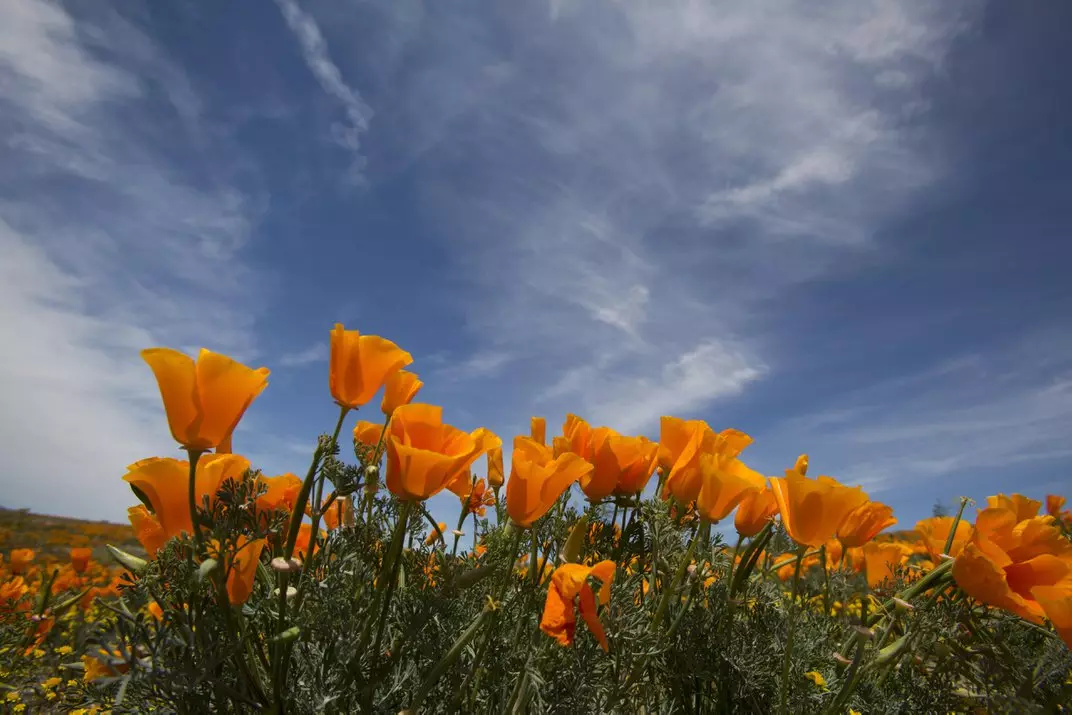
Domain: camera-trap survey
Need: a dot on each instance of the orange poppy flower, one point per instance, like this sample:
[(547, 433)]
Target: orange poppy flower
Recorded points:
[(865, 522), (424, 455), (434, 536), (279, 492), (801, 464), (12, 590), (478, 499), (725, 482), (496, 472), (147, 529), (881, 560), (368, 433), (20, 559), (812, 510), (1054, 504), (339, 513), (681, 445), (538, 429), (400, 389), (305, 534), (1018, 504), (1005, 561), (80, 559), (1056, 602), (754, 511), (155, 611), (204, 400), (834, 551), (538, 479), (569, 583), (360, 365), (243, 570), (165, 482), (935, 532), (620, 465)]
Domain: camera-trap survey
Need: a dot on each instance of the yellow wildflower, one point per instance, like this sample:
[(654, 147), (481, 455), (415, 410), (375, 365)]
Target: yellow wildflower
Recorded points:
[(12, 697), (65, 650), (816, 677), (51, 682)]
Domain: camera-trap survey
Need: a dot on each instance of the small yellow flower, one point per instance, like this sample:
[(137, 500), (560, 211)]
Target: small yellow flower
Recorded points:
[(816, 677), (51, 682), (72, 683), (38, 653), (854, 712), (65, 650), (12, 697), (20, 708), (49, 695)]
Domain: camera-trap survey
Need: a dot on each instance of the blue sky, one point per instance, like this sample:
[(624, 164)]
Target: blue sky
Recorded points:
[(842, 228)]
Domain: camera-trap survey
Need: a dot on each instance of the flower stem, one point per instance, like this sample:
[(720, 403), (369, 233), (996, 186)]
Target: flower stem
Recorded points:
[(195, 456), (789, 636), (956, 522)]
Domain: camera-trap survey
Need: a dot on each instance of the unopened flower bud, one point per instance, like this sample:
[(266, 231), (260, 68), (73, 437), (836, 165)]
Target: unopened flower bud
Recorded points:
[(902, 604), (458, 532), (286, 565), (842, 659), (865, 632), (291, 592)]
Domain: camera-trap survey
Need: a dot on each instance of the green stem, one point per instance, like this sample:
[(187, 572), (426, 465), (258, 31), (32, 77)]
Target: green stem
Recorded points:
[(306, 487), (392, 574), (956, 522), (664, 601), (195, 456), (789, 636), (448, 659), (826, 580)]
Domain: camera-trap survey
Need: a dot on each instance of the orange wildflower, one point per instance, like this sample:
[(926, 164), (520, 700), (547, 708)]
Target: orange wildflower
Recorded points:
[(147, 529), (279, 492), (801, 464), (496, 473), (755, 510), (305, 533), (339, 513), (12, 590), (368, 433), (569, 583), (156, 611), (935, 532), (1054, 503), (243, 570), (681, 445), (538, 429), (400, 389), (1005, 561), (812, 510), (1056, 602), (204, 400), (20, 559), (864, 522), (104, 665), (537, 479), (881, 560), (479, 498), (165, 482), (80, 559), (360, 365), (434, 536), (424, 455), (620, 465), (1018, 504), (725, 482)]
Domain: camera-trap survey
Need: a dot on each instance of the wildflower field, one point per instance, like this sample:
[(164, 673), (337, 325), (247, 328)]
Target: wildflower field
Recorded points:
[(561, 588)]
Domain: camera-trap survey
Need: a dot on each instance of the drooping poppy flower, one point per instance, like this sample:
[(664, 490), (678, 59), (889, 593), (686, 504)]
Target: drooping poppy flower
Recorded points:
[(538, 479), (725, 481), (881, 561), (20, 559), (147, 529), (538, 428), (155, 610), (400, 389), (165, 482), (434, 535), (103, 665), (80, 559), (569, 584), (12, 590), (812, 510), (496, 471), (1054, 503), (864, 522), (754, 511), (935, 532), (204, 400), (424, 455), (279, 492), (1056, 602), (360, 365), (1018, 504), (243, 570)]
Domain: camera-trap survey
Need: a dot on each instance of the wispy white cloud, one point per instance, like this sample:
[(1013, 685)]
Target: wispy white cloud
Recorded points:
[(653, 176), (315, 52), (318, 352), (110, 246)]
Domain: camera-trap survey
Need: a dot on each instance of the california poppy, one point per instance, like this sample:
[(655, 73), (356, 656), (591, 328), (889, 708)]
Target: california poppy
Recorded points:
[(619, 464), (935, 532), (20, 560), (12, 590), (754, 511), (360, 365), (400, 389), (165, 482), (1003, 564), (1054, 503), (881, 561), (496, 473), (339, 513), (864, 522), (204, 400), (801, 465), (1018, 504), (243, 569), (1056, 602), (436, 534), (424, 455), (538, 479), (813, 509), (538, 428), (725, 481), (147, 529), (279, 492), (681, 446), (80, 559), (569, 584), (479, 498), (305, 535), (368, 433)]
